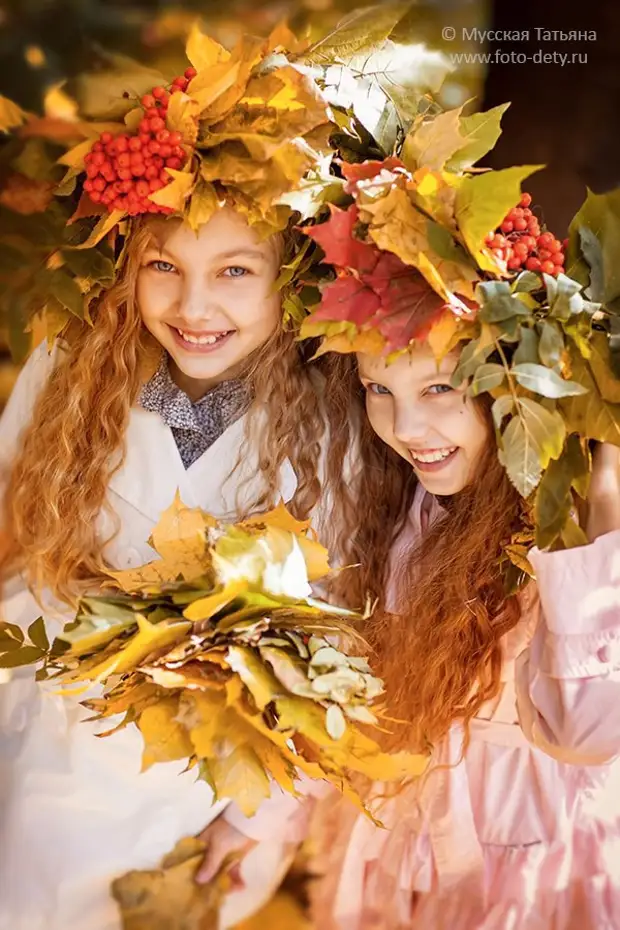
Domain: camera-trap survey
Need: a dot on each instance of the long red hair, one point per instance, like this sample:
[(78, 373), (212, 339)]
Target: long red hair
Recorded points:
[(75, 440), (440, 656)]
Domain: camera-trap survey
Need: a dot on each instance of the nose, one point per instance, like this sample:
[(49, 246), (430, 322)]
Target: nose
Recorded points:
[(412, 423), (197, 304)]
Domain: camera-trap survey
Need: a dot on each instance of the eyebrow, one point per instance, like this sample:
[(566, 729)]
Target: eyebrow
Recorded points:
[(247, 252)]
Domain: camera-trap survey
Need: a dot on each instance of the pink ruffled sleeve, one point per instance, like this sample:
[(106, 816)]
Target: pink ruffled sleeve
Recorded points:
[(568, 680)]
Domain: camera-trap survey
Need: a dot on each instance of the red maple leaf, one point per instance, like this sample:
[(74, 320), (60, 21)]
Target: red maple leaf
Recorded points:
[(374, 288), (348, 299), (342, 249)]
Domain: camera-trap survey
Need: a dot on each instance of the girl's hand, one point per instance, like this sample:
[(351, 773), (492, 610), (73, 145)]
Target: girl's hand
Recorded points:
[(223, 840), (604, 494)]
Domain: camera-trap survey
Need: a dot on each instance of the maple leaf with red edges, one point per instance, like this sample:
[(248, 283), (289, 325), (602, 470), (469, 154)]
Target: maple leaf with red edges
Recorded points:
[(336, 238), (367, 170), (374, 289)]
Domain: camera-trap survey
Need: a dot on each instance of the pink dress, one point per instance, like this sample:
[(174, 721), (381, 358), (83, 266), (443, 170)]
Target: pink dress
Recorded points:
[(524, 832)]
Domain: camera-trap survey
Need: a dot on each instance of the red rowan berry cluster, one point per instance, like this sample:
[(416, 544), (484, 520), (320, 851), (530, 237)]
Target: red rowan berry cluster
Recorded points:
[(520, 243), (123, 171)]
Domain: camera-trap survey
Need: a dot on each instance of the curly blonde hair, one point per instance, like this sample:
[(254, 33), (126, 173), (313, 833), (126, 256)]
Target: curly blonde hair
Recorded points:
[(75, 441)]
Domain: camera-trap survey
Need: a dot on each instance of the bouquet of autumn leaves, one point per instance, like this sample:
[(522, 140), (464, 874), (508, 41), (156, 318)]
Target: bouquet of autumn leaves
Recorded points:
[(221, 657)]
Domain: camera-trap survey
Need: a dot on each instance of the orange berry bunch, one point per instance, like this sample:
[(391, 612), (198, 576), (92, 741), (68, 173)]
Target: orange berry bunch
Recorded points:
[(123, 171), (519, 242)]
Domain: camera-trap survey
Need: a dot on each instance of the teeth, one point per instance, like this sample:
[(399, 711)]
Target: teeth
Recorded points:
[(209, 340), (427, 457)]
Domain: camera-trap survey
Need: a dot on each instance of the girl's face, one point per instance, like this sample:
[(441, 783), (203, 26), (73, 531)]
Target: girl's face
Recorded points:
[(207, 297), (412, 407)]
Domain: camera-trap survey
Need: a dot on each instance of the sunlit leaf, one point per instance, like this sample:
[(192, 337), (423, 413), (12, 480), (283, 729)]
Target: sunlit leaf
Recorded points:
[(175, 194), (432, 142), (165, 740), (531, 439), (542, 380), (203, 51), (590, 414), (482, 202), (481, 131), (487, 378), (359, 32)]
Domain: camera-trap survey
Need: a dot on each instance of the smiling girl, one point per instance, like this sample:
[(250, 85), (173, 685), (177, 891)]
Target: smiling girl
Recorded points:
[(510, 682), (185, 382)]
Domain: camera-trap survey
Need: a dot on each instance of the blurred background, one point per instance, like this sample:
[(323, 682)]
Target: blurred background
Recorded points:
[(564, 111)]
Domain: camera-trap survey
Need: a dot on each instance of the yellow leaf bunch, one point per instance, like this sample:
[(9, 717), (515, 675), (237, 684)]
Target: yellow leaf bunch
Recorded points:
[(222, 657), (258, 125)]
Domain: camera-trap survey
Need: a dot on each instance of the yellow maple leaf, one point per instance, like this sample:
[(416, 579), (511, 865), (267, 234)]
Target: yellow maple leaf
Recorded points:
[(397, 226), (203, 51), (432, 142), (169, 898), (181, 542), (434, 192), (240, 775), (203, 203), (445, 334), (315, 555), (175, 194), (182, 116), (165, 739)]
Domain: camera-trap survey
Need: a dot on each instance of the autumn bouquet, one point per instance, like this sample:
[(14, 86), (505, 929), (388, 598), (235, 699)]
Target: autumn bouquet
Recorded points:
[(222, 658)]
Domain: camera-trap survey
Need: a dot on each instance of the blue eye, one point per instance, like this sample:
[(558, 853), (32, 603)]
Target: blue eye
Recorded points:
[(164, 267), (236, 271), (377, 388), (439, 389)]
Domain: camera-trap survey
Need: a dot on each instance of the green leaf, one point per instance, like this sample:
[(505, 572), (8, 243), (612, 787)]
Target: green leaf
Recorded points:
[(502, 407), (474, 354), (593, 254), (482, 130), (527, 350), (551, 345), (567, 300), (18, 657), (442, 242), (600, 214), (529, 442), (545, 381), (37, 634), (486, 378), (482, 202), (497, 302), (10, 633), (590, 414), (554, 501), (65, 289), (359, 32), (573, 536), (93, 265), (527, 282)]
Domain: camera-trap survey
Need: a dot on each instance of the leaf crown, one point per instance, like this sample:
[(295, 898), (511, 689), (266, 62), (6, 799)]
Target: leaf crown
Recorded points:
[(411, 255)]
